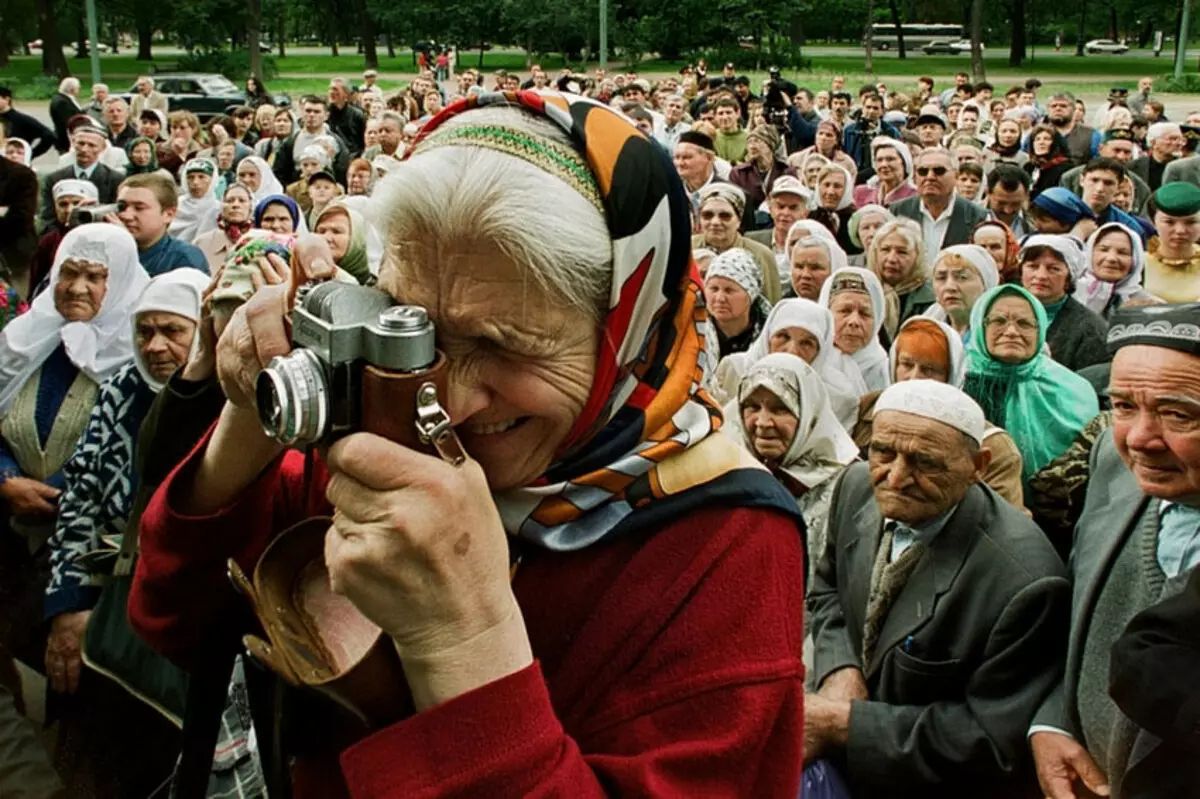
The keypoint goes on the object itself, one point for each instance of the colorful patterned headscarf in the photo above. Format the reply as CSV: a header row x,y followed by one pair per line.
x,y
643,451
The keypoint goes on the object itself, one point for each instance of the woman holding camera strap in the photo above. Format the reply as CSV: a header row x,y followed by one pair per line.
x,y
626,654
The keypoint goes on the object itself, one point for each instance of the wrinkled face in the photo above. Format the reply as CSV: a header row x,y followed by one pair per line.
x,y
910,366
992,239
1008,133
225,154
1168,146
1178,232
1119,149
868,226
920,468
87,149
64,205
264,117
692,162
235,207
826,140
522,362
164,341
757,150
728,302
337,95
957,285
1005,203
141,154
896,258
673,110
930,134
1010,329
389,135
831,189
769,425
796,341
1042,143
198,184
726,119
277,219
719,223
144,87
80,289
143,216
1099,188
1060,110
968,118
935,175
371,134
810,270
889,166
322,191
1156,420
249,176
1045,276
335,229
853,321
822,100
1112,256
786,210
811,170
967,185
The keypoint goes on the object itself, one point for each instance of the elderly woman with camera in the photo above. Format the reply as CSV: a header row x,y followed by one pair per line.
x,y
567,603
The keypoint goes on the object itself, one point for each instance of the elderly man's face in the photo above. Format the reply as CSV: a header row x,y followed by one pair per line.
x,y
692,162
1118,149
116,113
521,361
936,175
1156,419
1169,145
930,134
87,149
920,468
1145,85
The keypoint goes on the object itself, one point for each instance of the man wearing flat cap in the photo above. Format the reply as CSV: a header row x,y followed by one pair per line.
x,y
937,611
1136,543
1172,259
757,176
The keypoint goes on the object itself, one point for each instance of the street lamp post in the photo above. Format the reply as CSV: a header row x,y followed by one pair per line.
x,y
1185,27
94,38
604,34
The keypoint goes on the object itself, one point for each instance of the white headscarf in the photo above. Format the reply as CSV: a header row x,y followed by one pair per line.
x,y
196,216
958,354
977,257
821,447
847,194
1096,293
1069,247
871,362
268,184
98,347
179,292
803,228
24,147
901,149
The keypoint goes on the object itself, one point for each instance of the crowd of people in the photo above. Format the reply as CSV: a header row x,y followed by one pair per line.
x,y
791,441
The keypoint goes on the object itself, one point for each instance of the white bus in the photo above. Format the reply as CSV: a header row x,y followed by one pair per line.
x,y
916,35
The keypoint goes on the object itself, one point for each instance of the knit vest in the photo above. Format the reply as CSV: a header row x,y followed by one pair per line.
x,y
1134,583
1079,144
20,426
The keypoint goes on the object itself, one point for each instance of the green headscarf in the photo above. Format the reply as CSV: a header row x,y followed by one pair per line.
x,y
1042,404
355,259
134,169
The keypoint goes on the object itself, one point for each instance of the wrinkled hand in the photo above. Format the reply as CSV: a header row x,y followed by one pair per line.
x,y
845,684
29,497
64,651
826,722
1060,761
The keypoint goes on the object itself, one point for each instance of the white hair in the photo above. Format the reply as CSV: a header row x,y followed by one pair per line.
x,y
460,193
146,79
99,87
1160,129
69,85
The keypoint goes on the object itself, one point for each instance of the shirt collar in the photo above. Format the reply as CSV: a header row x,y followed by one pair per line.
x,y
945,214
82,172
926,531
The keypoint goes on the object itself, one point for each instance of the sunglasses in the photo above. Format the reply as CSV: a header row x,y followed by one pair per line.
x,y
925,171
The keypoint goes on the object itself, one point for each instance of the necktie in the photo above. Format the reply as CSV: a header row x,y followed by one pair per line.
x,y
887,582
1178,539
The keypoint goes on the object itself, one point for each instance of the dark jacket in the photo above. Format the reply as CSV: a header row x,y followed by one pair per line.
x,y
23,126
963,219
1076,336
18,193
106,181
802,133
1142,168
968,651
350,125
122,139
747,178
288,171
856,140
62,108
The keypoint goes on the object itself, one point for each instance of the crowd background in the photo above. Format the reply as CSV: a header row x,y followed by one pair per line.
x,y
941,280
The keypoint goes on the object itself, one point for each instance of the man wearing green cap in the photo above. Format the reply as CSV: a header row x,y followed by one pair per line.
x,y
1172,261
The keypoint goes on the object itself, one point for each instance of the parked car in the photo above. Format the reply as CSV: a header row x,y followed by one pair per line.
x,y
204,94
1096,46
949,47
36,44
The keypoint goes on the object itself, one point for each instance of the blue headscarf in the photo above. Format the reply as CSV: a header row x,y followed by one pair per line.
x,y
1041,403
1064,205
284,200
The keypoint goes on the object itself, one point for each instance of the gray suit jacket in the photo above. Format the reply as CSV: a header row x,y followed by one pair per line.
x,y
1184,169
968,652
963,219
1111,512
765,237
106,181
1141,191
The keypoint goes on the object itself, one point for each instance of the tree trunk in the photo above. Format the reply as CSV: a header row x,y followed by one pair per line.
x,y
1082,38
868,37
366,29
528,49
4,45
81,42
254,36
1016,48
899,30
391,45
1113,31
54,63
978,74
145,32
281,31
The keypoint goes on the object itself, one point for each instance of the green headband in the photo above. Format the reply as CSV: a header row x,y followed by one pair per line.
x,y
559,160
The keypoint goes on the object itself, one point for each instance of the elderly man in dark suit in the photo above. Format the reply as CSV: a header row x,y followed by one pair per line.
x,y
18,206
63,106
937,612
88,144
1136,542
945,218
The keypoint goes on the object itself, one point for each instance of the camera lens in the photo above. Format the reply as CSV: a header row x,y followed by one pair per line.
x,y
293,398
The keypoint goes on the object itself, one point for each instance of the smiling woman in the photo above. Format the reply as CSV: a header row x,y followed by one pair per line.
x,y
563,295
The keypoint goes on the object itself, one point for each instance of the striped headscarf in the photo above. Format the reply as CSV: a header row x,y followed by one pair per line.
x,y
644,449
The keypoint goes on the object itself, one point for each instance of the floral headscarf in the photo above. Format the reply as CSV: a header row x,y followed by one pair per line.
x,y
643,450
1010,270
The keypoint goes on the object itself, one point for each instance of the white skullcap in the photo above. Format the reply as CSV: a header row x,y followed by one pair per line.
x,y
76,188
935,400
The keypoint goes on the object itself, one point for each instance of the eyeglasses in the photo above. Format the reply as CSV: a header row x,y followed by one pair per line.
x,y
925,171
724,216
999,323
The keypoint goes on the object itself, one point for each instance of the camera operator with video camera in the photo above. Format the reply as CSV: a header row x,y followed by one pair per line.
x,y
68,195
780,111
556,557
88,141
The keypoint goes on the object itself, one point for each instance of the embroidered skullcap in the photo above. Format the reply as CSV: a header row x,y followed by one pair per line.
x,y
739,266
1178,199
935,400
727,192
1119,134
76,188
1175,327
